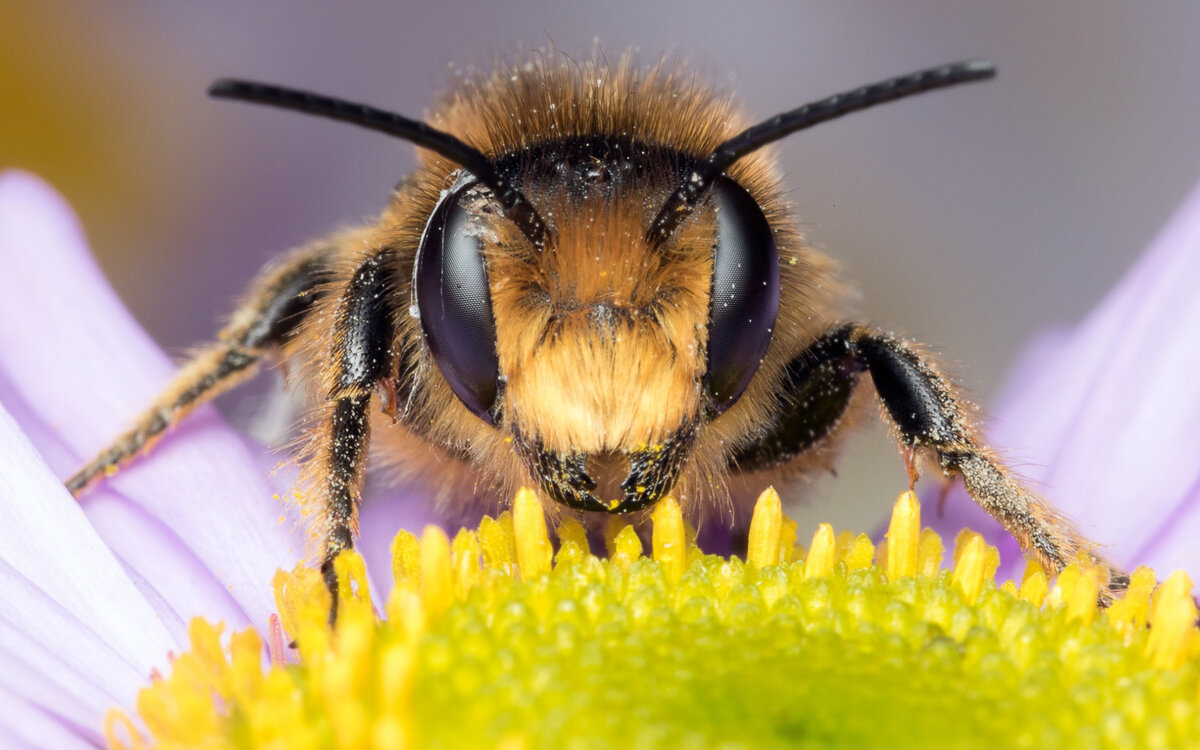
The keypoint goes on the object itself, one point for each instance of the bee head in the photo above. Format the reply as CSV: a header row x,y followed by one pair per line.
x,y
603,349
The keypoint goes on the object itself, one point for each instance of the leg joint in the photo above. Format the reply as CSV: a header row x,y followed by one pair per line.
x,y
917,397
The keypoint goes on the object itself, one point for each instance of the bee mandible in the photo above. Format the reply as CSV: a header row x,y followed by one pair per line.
x,y
590,285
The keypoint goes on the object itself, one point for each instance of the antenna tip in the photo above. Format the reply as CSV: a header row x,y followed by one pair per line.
x,y
977,69
224,88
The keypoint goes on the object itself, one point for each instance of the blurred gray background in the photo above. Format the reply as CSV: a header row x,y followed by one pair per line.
x,y
969,219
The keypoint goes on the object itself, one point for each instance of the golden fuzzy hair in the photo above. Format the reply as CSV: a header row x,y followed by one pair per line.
x,y
601,337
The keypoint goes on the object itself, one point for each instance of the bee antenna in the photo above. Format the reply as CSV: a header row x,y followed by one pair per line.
x,y
688,195
515,205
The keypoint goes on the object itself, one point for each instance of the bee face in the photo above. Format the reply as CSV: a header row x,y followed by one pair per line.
x,y
602,351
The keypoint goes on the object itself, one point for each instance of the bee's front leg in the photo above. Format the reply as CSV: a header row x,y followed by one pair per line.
x,y
928,417
361,356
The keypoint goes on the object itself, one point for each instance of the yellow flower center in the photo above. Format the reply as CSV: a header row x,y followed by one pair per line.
x,y
496,640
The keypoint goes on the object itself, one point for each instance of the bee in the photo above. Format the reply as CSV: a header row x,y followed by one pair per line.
x,y
590,285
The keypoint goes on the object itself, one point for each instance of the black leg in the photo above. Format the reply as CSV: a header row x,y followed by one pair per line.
x,y
928,417
342,462
277,304
361,356
816,390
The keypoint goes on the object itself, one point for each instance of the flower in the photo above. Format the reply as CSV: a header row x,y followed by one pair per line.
x,y
1105,418
97,594
493,641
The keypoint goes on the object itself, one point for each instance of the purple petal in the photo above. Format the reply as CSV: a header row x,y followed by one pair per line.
x,y
79,369
37,727
382,515
75,633
164,569
57,664
1107,416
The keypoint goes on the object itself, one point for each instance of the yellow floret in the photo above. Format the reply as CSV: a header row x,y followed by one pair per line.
x,y
493,640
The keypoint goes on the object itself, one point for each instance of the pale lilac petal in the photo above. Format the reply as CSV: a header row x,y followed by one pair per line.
x,y
69,349
57,663
1105,419
35,728
175,582
164,569
75,633
383,515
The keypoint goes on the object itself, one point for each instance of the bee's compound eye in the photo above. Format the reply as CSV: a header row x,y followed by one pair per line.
x,y
745,293
450,284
